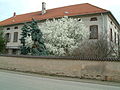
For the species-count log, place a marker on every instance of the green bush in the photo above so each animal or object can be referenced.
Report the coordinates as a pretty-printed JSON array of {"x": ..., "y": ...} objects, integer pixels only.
[{"x": 2, "y": 43}]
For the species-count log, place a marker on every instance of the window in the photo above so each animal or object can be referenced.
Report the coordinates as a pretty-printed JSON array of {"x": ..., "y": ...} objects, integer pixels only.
[
  {"x": 111, "y": 22},
  {"x": 118, "y": 39},
  {"x": 14, "y": 51},
  {"x": 93, "y": 19},
  {"x": 94, "y": 32},
  {"x": 15, "y": 39},
  {"x": 7, "y": 37},
  {"x": 8, "y": 28},
  {"x": 115, "y": 37},
  {"x": 66, "y": 12},
  {"x": 6, "y": 51},
  {"x": 15, "y": 27},
  {"x": 111, "y": 37},
  {"x": 79, "y": 19}
]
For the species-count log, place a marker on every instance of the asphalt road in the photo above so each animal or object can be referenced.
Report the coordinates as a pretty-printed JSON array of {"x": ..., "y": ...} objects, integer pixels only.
[{"x": 13, "y": 81}]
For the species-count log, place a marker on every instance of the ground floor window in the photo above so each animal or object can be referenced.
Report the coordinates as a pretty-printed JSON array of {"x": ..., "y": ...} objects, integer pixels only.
[
  {"x": 14, "y": 51},
  {"x": 6, "y": 51}
]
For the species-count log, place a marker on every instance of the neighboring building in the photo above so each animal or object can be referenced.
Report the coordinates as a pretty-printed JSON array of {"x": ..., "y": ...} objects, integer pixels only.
[{"x": 99, "y": 21}]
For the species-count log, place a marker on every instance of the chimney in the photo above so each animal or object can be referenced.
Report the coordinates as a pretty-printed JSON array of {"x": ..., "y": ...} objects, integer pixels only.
[
  {"x": 14, "y": 14},
  {"x": 43, "y": 8}
]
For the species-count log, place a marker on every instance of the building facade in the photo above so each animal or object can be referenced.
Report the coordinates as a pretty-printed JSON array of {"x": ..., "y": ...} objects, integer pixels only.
[{"x": 100, "y": 22}]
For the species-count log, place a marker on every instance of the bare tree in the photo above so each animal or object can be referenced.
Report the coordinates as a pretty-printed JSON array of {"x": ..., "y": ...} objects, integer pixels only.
[{"x": 95, "y": 49}]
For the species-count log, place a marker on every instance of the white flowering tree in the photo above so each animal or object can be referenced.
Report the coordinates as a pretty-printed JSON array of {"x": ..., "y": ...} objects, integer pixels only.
[{"x": 63, "y": 35}]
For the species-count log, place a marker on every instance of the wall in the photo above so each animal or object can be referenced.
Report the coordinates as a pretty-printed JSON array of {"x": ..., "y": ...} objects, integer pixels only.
[
  {"x": 15, "y": 45},
  {"x": 115, "y": 29},
  {"x": 11, "y": 31},
  {"x": 100, "y": 70}
]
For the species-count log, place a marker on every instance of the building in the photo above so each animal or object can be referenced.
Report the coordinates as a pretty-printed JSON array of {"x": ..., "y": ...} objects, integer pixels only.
[{"x": 99, "y": 21}]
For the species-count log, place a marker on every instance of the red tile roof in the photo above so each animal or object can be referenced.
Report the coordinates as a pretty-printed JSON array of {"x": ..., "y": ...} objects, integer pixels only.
[{"x": 79, "y": 9}]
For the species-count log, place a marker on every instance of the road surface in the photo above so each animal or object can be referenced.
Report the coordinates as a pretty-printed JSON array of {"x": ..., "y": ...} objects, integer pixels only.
[{"x": 13, "y": 81}]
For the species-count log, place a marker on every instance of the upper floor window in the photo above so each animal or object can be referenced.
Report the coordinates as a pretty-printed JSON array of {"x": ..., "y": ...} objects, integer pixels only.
[
  {"x": 8, "y": 28},
  {"x": 118, "y": 39},
  {"x": 94, "y": 32},
  {"x": 111, "y": 37},
  {"x": 15, "y": 39},
  {"x": 115, "y": 37},
  {"x": 79, "y": 19},
  {"x": 15, "y": 27},
  {"x": 111, "y": 22},
  {"x": 93, "y": 19},
  {"x": 7, "y": 37}
]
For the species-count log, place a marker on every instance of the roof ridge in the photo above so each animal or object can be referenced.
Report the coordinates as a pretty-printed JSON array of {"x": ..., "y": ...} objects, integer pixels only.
[
  {"x": 61, "y": 7},
  {"x": 53, "y": 8},
  {"x": 68, "y": 6}
]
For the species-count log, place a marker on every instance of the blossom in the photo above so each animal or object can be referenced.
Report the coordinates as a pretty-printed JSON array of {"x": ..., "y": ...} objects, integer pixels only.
[{"x": 63, "y": 35}]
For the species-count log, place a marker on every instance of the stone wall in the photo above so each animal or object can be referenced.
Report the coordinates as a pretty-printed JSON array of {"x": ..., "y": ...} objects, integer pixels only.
[{"x": 92, "y": 69}]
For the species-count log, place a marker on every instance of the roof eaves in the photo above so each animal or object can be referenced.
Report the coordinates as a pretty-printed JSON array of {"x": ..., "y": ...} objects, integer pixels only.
[
  {"x": 114, "y": 19},
  {"x": 11, "y": 24}
]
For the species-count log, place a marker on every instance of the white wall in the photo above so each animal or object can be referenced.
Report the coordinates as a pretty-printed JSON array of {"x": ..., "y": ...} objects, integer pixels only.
[
  {"x": 85, "y": 19},
  {"x": 112, "y": 26},
  {"x": 103, "y": 22},
  {"x": 11, "y": 31},
  {"x": 88, "y": 23}
]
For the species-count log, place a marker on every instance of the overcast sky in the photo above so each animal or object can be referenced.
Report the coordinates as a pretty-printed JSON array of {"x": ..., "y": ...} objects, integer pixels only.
[{"x": 7, "y": 7}]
